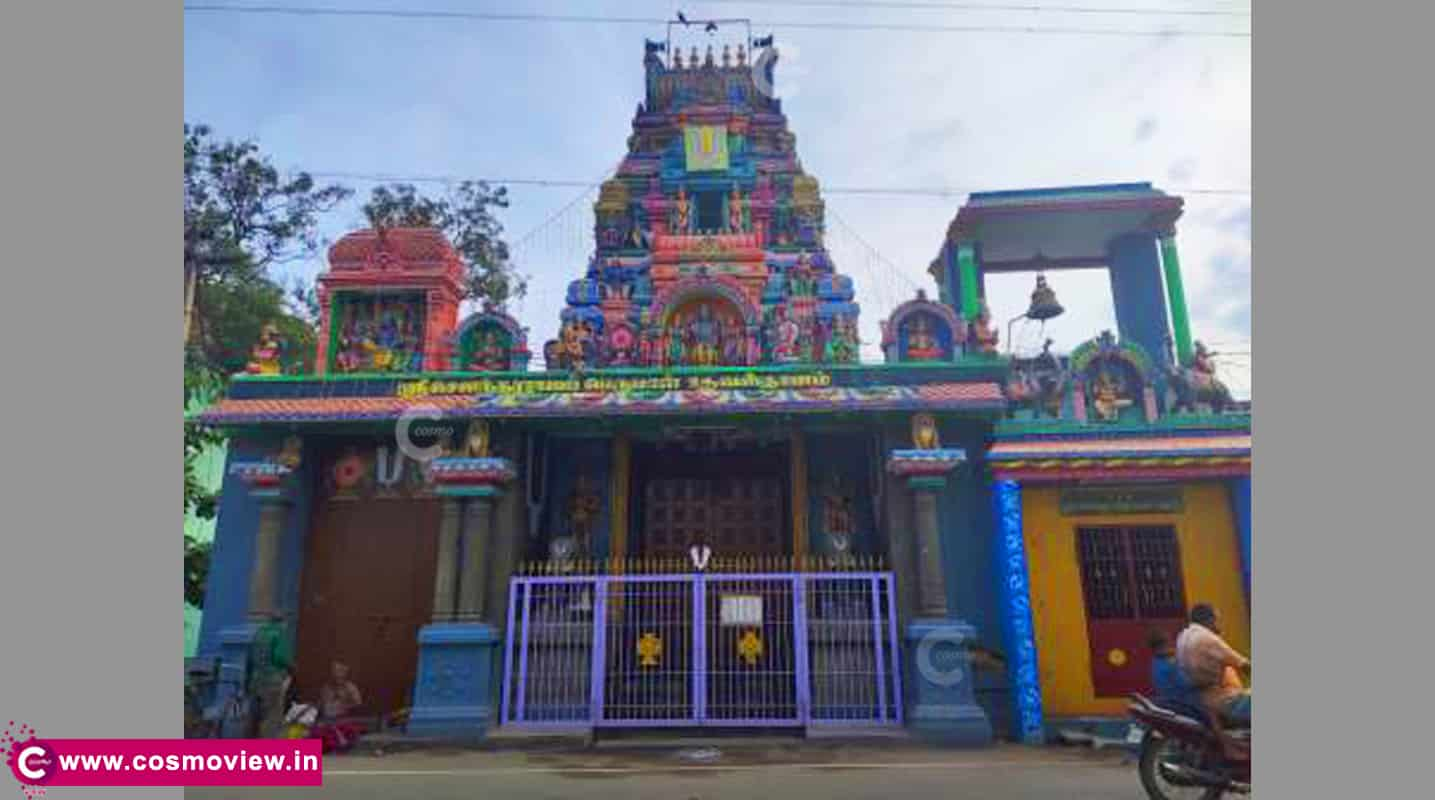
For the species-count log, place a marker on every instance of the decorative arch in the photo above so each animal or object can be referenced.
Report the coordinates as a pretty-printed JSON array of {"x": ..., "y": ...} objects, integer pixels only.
[
  {"x": 491, "y": 340},
  {"x": 684, "y": 291},
  {"x": 947, "y": 331}
]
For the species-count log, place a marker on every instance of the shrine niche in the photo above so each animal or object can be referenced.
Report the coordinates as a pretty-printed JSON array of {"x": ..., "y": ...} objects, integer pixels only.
[
  {"x": 1112, "y": 381},
  {"x": 705, "y": 331},
  {"x": 389, "y": 302},
  {"x": 492, "y": 341},
  {"x": 921, "y": 330},
  {"x": 379, "y": 333}
]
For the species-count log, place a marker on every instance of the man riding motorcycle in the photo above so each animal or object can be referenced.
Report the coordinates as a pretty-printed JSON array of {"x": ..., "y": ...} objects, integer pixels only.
[{"x": 1211, "y": 666}]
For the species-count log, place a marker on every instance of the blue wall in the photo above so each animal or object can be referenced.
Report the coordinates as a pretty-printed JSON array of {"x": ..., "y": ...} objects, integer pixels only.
[
  {"x": 226, "y": 596},
  {"x": 1138, "y": 291}
]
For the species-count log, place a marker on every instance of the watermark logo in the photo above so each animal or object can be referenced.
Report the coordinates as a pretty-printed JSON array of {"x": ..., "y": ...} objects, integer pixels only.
[
  {"x": 942, "y": 657},
  {"x": 420, "y": 433},
  {"x": 31, "y": 761}
]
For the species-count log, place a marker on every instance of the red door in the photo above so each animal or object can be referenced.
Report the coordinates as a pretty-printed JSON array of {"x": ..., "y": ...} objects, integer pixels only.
[
  {"x": 1131, "y": 579},
  {"x": 367, "y": 589}
]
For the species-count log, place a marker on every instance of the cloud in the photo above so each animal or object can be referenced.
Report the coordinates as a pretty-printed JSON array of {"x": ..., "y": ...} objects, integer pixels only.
[
  {"x": 1146, "y": 129},
  {"x": 1182, "y": 171}
]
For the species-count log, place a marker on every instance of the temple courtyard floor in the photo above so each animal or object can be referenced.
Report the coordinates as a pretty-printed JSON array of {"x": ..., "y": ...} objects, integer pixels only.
[{"x": 705, "y": 770}]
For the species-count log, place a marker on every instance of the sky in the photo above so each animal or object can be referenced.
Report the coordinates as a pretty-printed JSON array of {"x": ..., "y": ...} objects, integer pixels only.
[{"x": 929, "y": 108}]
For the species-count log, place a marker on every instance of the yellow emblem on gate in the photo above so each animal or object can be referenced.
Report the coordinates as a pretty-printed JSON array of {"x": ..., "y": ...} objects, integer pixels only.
[
  {"x": 749, "y": 647},
  {"x": 650, "y": 649}
]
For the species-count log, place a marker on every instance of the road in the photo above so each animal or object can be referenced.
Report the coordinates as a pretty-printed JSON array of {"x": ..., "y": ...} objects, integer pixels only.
[{"x": 791, "y": 772}]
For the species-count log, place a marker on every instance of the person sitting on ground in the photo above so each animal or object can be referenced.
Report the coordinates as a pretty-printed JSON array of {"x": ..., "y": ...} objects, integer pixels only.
[
  {"x": 1210, "y": 665},
  {"x": 339, "y": 700}
]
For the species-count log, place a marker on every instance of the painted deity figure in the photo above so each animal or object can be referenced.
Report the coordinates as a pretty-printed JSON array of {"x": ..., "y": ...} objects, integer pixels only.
[
  {"x": 788, "y": 332},
  {"x": 842, "y": 346},
  {"x": 1203, "y": 365},
  {"x": 924, "y": 432},
  {"x": 583, "y": 507},
  {"x": 264, "y": 358},
  {"x": 734, "y": 211},
  {"x": 489, "y": 354},
  {"x": 838, "y": 516},
  {"x": 705, "y": 336},
  {"x": 1107, "y": 398},
  {"x": 682, "y": 212},
  {"x": 921, "y": 345},
  {"x": 983, "y": 332}
]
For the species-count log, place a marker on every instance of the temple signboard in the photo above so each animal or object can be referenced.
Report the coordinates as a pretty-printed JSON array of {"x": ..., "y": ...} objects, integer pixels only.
[
  {"x": 1121, "y": 500},
  {"x": 540, "y": 385}
]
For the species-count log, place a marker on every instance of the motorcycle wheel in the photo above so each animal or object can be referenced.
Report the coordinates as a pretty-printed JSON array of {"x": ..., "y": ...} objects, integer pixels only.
[{"x": 1154, "y": 750}]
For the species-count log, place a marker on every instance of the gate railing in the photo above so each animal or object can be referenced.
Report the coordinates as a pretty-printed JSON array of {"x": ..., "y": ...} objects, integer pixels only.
[{"x": 715, "y": 649}]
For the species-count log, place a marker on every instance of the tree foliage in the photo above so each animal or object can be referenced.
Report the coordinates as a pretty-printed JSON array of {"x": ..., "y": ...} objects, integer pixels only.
[
  {"x": 240, "y": 218},
  {"x": 466, "y": 215}
]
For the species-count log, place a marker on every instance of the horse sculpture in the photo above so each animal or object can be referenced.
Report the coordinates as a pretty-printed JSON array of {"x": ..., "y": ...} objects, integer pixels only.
[{"x": 1188, "y": 388}]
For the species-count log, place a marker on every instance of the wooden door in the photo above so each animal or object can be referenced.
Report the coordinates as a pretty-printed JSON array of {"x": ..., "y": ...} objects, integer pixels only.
[
  {"x": 1131, "y": 580},
  {"x": 733, "y": 515},
  {"x": 367, "y": 589}
]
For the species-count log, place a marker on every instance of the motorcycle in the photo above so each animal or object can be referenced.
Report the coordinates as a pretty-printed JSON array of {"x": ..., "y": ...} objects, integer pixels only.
[{"x": 1182, "y": 755}]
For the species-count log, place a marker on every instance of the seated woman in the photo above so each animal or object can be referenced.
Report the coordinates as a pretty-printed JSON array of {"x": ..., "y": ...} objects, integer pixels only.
[{"x": 339, "y": 725}]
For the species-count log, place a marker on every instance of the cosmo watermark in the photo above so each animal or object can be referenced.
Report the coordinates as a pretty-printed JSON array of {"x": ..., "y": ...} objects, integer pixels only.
[
  {"x": 420, "y": 435},
  {"x": 942, "y": 656}
]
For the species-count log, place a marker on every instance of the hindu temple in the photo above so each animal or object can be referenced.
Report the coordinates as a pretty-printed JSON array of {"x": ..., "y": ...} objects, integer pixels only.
[{"x": 692, "y": 504}]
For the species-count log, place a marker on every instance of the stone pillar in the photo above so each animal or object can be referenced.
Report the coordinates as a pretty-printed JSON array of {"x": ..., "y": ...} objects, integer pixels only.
[
  {"x": 477, "y": 542},
  {"x": 1020, "y": 637},
  {"x": 458, "y": 656},
  {"x": 971, "y": 293},
  {"x": 1176, "y": 298},
  {"x": 939, "y": 684},
  {"x": 445, "y": 588},
  {"x": 264, "y": 574},
  {"x": 254, "y": 655}
]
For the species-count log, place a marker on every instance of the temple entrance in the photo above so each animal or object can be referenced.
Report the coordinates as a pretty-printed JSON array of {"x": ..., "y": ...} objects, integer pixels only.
[
  {"x": 735, "y": 502},
  {"x": 367, "y": 589}
]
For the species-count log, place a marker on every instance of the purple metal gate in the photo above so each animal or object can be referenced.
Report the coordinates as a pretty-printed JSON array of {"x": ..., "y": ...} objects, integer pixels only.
[{"x": 749, "y": 649}]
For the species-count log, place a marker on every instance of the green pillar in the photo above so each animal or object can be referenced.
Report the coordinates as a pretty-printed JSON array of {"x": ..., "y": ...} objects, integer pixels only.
[
  {"x": 967, "y": 263},
  {"x": 1176, "y": 298}
]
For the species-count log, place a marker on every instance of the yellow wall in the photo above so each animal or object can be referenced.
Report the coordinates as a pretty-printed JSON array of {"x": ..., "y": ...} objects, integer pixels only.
[{"x": 1210, "y": 566}]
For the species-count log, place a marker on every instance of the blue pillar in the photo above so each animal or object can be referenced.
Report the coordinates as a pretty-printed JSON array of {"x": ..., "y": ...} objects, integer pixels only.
[
  {"x": 1241, "y": 505},
  {"x": 1137, "y": 291},
  {"x": 1017, "y": 627}
]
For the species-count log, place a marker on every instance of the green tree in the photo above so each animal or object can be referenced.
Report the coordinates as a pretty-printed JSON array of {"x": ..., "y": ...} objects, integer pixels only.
[
  {"x": 466, "y": 215},
  {"x": 240, "y": 218}
]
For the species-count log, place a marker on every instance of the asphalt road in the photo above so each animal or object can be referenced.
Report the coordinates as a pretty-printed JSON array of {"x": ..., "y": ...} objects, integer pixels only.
[{"x": 789, "y": 772}]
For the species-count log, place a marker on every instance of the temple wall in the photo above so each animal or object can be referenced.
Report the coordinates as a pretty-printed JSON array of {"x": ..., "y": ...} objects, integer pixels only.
[
  {"x": 226, "y": 597},
  {"x": 1210, "y": 568}
]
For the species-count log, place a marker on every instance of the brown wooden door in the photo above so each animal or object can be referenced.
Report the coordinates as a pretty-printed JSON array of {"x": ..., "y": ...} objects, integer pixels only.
[
  {"x": 1131, "y": 579},
  {"x": 733, "y": 515},
  {"x": 367, "y": 589}
]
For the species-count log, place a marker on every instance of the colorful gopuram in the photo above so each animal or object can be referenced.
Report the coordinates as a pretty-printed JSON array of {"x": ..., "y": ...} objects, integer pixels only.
[{"x": 704, "y": 509}]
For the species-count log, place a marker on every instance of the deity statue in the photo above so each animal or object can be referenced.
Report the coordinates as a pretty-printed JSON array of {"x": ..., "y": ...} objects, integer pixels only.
[
  {"x": 842, "y": 346},
  {"x": 584, "y": 504},
  {"x": 675, "y": 341},
  {"x": 838, "y": 516},
  {"x": 489, "y": 354},
  {"x": 921, "y": 345},
  {"x": 924, "y": 432},
  {"x": 620, "y": 346},
  {"x": 734, "y": 211},
  {"x": 1107, "y": 398},
  {"x": 476, "y": 440},
  {"x": 983, "y": 333},
  {"x": 574, "y": 347},
  {"x": 291, "y": 452},
  {"x": 788, "y": 332},
  {"x": 704, "y": 332},
  {"x": 1202, "y": 362},
  {"x": 264, "y": 358},
  {"x": 726, "y": 56},
  {"x": 682, "y": 212}
]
